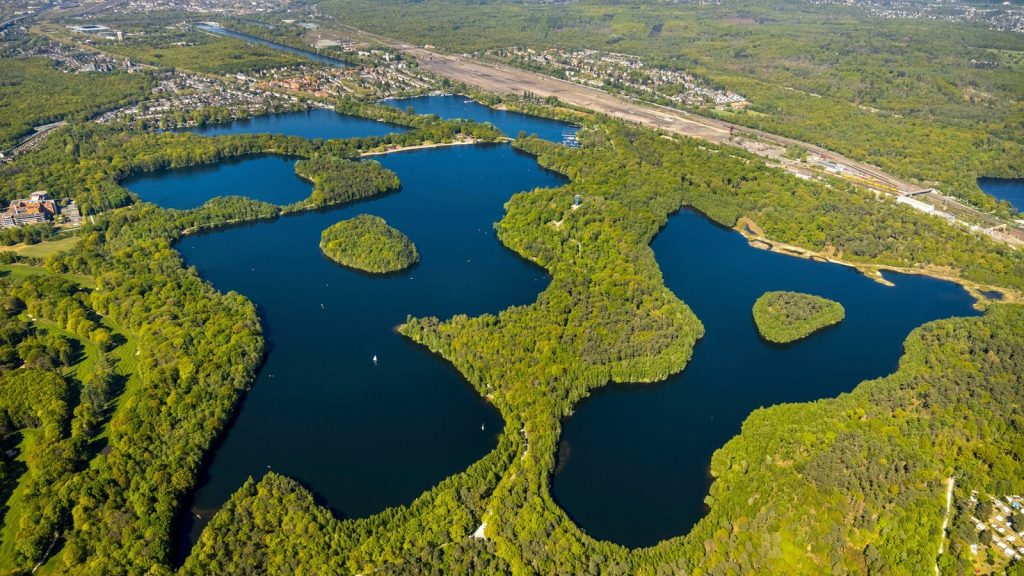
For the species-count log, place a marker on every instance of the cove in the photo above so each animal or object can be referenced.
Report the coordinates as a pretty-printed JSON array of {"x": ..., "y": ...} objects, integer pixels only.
[
  {"x": 318, "y": 58},
  {"x": 312, "y": 123},
  {"x": 268, "y": 178},
  {"x": 633, "y": 459},
  {"x": 264, "y": 177},
  {"x": 364, "y": 436},
  {"x": 453, "y": 106},
  {"x": 1009, "y": 189}
]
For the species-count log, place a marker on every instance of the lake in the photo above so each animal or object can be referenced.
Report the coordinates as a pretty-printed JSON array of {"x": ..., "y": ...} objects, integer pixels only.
[
  {"x": 511, "y": 123},
  {"x": 312, "y": 123},
  {"x": 1009, "y": 189},
  {"x": 367, "y": 436},
  {"x": 363, "y": 436},
  {"x": 264, "y": 177},
  {"x": 634, "y": 458}
]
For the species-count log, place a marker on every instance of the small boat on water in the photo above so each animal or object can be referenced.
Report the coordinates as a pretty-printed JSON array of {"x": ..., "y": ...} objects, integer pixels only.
[
  {"x": 374, "y": 358},
  {"x": 481, "y": 427}
]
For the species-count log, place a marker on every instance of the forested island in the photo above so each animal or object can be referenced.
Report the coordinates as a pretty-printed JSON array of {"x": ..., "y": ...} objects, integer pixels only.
[
  {"x": 784, "y": 317},
  {"x": 367, "y": 243},
  {"x": 630, "y": 177},
  {"x": 146, "y": 301},
  {"x": 121, "y": 366}
]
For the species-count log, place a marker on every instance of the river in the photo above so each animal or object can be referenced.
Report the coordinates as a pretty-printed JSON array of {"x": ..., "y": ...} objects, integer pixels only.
[{"x": 315, "y": 57}]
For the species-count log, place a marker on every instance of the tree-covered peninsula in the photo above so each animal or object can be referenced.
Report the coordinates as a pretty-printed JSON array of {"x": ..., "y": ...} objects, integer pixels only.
[
  {"x": 606, "y": 316},
  {"x": 850, "y": 485},
  {"x": 784, "y": 317},
  {"x": 367, "y": 243},
  {"x": 113, "y": 442}
]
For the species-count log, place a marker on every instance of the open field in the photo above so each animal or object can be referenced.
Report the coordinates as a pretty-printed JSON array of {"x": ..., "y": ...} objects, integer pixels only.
[{"x": 42, "y": 249}]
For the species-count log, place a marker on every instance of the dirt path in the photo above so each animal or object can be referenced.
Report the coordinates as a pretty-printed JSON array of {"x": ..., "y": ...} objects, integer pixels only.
[{"x": 945, "y": 520}]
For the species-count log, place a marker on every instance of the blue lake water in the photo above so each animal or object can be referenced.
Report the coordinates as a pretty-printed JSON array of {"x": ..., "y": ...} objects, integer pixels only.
[
  {"x": 633, "y": 461},
  {"x": 364, "y": 436},
  {"x": 1009, "y": 189},
  {"x": 313, "y": 123},
  {"x": 267, "y": 178},
  {"x": 511, "y": 123}
]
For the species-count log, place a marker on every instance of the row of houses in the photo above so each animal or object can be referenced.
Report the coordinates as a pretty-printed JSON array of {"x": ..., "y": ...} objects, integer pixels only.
[{"x": 38, "y": 208}]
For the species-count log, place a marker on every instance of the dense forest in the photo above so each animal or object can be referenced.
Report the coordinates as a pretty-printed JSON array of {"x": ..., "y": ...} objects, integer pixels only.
[
  {"x": 337, "y": 180},
  {"x": 784, "y": 317},
  {"x": 33, "y": 92},
  {"x": 367, "y": 243},
  {"x": 879, "y": 457},
  {"x": 606, "y": 315},
  {"x": 195, "y": 350},
  {"x": 59, "y": 372},
  {"x": 837, "y": 219},
  {"x": 929, "y": 100},
  {"x": 120, "y": 368},
  {"x": 852, "y": 485}
]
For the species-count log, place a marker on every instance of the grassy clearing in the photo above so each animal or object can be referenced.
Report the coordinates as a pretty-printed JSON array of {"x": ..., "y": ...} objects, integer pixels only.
[
  {"x": 42, "y": 249},
  {"x": 14, "y": 507},
  {"x": 26, "y": 270},
  {"x": 124, "y": 358}
]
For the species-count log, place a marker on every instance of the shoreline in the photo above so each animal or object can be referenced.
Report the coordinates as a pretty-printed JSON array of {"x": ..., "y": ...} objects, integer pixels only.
[
  {"x": 469, "y": 142},
  {"x": 756, "y": 239}
]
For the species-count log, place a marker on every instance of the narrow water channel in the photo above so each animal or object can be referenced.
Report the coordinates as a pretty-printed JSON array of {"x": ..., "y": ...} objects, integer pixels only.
[
  {"x": 511, "y": 123},
  {"x": 315, "y": 57}
]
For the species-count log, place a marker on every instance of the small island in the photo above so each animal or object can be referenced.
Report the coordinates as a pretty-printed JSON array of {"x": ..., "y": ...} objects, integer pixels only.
[
  {"x": 784, "y": 317},
  {"x": 367, "y": 243}
]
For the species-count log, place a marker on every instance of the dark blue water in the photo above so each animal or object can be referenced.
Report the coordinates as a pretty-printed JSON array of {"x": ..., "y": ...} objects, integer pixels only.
[
  {"x": 1009, "y": 189},
  {"x": 313, "y": 123},
  {"x": 268, "y": 178},
  {"x": 365, "y": 436},
  {"x": 320, "y": 59},
  {"x": 634, "y": 459},
  {"x": 511, "y": 123}
]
